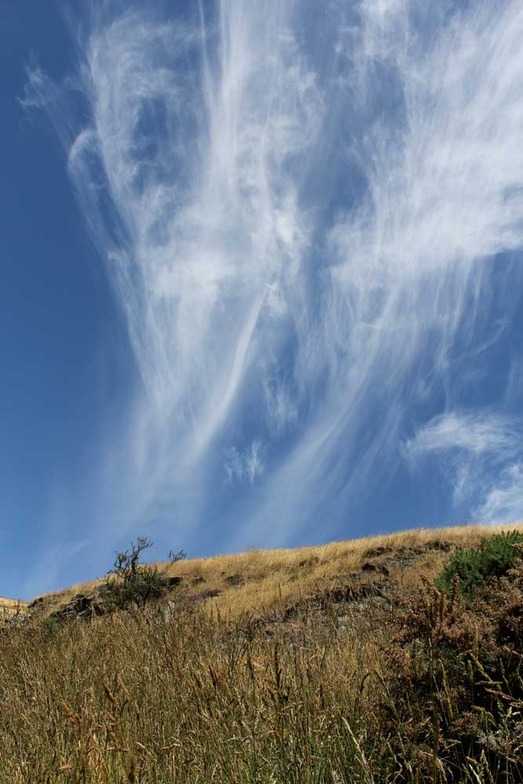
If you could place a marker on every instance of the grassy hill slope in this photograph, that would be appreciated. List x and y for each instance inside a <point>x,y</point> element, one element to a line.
<point>333,664</point>
<point>256,580</point>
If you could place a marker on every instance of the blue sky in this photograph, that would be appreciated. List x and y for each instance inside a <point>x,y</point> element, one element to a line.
<point>261,275</point>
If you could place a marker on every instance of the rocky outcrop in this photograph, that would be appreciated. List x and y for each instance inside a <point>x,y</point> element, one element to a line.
<point>81,606</point>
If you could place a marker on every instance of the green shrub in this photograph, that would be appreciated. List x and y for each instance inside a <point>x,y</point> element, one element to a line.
<point>474,567</point>
<point>130,582</point>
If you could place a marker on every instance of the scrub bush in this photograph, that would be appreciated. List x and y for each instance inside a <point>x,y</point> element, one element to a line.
<point>472,568</point>
<point>131,583</point>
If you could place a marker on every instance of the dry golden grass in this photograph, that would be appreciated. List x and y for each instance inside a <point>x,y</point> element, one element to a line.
<point>261,579</point>
<point>134,699</point>
<point>279,679</point>
<point>10,607</point>
<point>10,604</point>
<point>255,580</point>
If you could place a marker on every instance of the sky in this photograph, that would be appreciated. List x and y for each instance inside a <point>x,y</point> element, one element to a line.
<point>261,275</point>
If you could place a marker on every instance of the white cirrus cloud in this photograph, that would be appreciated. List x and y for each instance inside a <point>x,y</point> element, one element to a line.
<point>477,433</point>
<point>480,454</point>
<point>302,215</point>
<point>503,500</point>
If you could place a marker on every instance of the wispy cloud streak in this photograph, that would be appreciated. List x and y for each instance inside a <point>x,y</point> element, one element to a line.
<point>479,452</point>
<point>303,216</point>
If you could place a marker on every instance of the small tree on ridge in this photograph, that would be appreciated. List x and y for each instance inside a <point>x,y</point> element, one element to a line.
<point>131,582</point>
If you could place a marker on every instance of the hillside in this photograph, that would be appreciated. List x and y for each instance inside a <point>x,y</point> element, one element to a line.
<point>334,664</point>
<point>257,580</point>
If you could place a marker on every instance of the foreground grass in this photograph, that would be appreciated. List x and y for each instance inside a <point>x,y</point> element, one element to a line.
<point>361,673</point>
<point>138,699</point>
